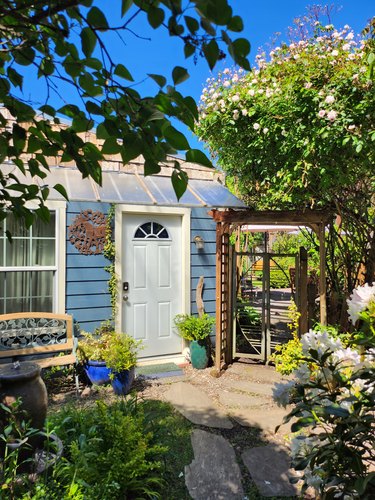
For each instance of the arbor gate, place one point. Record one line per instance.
(225, 293)
(264, 287)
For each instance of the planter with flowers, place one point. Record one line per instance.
(109, 356)
(196, 330)
(333, 392)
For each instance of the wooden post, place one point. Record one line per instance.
(218, 342)
(303, 304)
(322, 278)
(229, 321)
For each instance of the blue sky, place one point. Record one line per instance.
(148, 51)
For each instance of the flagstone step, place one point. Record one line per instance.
(214, 473)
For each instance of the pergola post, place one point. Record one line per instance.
(322, 277)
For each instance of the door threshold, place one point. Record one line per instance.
(178, 359)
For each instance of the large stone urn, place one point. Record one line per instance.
(22, 380)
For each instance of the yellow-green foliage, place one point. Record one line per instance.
(287, 356)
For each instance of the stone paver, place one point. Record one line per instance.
(248, 387)
(240, 400)
(214, 473)
(197, 406)
(266, 419)
(264, 374)
(269, 467)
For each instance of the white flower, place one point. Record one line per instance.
(236, 114)
(284, 133)
(329, 99)
(256, 126)
(215, 95)
(265, 130)
(226, 71)
(302, 373)
(320, 342)
(359, 300)
(346, 357)
(251, 92)
(260, 91)
(321, 113)
(235, 78)
(226, 83)
(235, 98)
(244, 112)
(332, 115)
(351, 127)
(222, 103)
(335, 53)
(308, 85)
(346, 46)
(281, 392)
(349, 36)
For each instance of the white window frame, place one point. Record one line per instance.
(58, 302)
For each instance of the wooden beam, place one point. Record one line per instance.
(218, 298)
(302, 285)
(322, 277)
(274, 217)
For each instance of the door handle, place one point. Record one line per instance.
(125, 298)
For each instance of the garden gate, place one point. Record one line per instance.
(264, 287)
(317, 220)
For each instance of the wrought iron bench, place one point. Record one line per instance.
(47, 338)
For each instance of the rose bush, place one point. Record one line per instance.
(298, 131)
(333, 392)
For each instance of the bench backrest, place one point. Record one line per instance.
(35, 333)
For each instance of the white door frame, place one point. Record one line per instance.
(185, 214)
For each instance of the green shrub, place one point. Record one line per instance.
(194, 327)
(110, 451)
(279, 279)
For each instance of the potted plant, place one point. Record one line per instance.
(197, 330)
(109, 356)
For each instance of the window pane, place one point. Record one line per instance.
(45, 230)
(26, 291)
(17, 252)
(15, 226)
(43, 253)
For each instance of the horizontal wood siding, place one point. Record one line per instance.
(87, 297)
(203, 262)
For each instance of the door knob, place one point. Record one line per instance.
(125, 298)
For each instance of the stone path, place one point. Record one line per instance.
(244, 394)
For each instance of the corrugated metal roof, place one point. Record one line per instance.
(131, 188)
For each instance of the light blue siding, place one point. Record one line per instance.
(203, 262)
(87, 297)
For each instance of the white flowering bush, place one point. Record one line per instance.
(333, 392)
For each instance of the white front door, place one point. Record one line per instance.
(152, 281)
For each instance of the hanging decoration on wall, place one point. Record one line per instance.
(87, 232)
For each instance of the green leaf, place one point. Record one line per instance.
(131, 148)
(211, 52)
(97, 19)
(236, 24)
(335, 410)
(15, 77)
(192, 24)
(155, 16)
(93, 108)
(60, 189)
(43, 213)
(176, 138)
(111, 146)
(123, 72)
(207, 26)
(179, 182)
(48, 110)
(88, 41)
(159, 79)
(151, 167)
(24, 56)
(197, 156)
(179, 75)
(189, 50)
(19, 138)
(301, 423)
(125, 6)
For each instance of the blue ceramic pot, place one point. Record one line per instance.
(122, 381)
(97, 372)
(199, 354)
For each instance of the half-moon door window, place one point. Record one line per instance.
(151, 230)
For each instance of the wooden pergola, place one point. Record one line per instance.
(317, 220)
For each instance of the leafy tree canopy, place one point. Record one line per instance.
(64, 44)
